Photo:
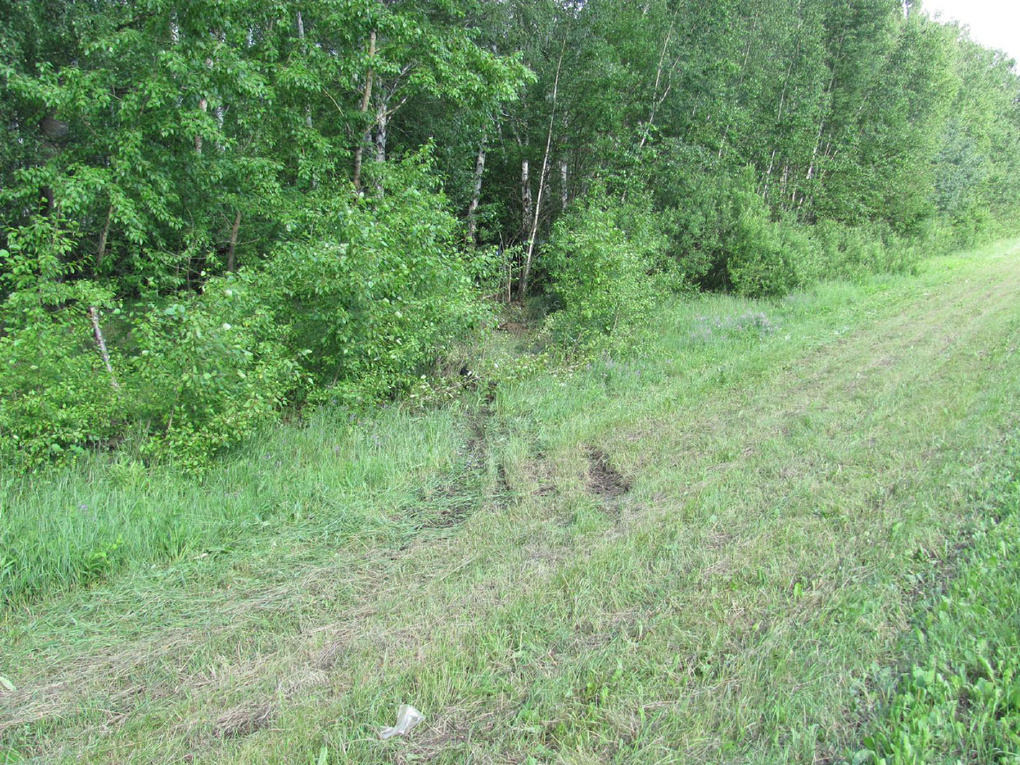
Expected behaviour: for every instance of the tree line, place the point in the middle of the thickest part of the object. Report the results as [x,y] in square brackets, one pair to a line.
[214,210]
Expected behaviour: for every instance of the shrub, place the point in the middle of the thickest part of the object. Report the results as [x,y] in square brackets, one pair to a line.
[56,397]
[600,262]
[375,289]
[211,369]
[703,205]
[363,300]
[768,258]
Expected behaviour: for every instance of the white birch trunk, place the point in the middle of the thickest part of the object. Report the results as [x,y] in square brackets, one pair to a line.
[304,49]
[564,197]
[522,289]
[526,209]
[476,195]
[366,99]
[97,331]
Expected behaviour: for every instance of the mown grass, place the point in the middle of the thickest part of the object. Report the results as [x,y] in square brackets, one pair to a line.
[706,551]
[958,698]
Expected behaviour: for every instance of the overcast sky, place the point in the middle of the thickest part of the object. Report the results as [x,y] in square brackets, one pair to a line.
[993,23]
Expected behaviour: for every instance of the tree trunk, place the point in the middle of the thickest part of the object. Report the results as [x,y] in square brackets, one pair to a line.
[382,117]
[380,135]
[304,49]
[779,115]
[768,176]
[522,289]
[101,251]
[564,198]
[202,105]
[740,82]
[476,194]
[525,196]
[101,343]
[232,249]
[655,91]
[366,98]
[821,123]
[219,111]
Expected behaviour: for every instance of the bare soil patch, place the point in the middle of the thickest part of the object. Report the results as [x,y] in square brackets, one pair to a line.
[604,480]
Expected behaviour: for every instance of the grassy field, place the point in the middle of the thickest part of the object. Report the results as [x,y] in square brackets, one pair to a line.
[734,547]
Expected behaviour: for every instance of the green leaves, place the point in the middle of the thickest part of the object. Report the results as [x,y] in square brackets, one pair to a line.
[599,263]
[961,697]
[376,289]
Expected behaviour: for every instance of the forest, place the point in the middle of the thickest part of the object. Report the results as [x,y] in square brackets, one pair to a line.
[217,213]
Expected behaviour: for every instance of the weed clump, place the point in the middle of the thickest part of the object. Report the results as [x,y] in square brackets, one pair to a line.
[750,323]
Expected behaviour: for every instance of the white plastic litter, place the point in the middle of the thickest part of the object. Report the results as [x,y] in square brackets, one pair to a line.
[407,718]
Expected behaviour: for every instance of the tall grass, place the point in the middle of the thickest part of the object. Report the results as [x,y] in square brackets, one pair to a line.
[72,526]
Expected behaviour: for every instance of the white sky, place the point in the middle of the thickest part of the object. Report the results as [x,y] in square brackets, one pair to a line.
[993,23]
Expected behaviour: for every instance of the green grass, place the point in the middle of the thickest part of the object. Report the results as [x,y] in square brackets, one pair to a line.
[959,698]
[714,550]
[339,474]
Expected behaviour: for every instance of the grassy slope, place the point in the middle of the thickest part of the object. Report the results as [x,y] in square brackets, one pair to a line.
[706,553]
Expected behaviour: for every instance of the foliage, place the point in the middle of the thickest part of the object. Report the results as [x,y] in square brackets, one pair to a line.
[55,396]
[703,209]
[358,307]
[767,257]
[177,158]
[211,369]
[299,150]
[599,262]
[375,289]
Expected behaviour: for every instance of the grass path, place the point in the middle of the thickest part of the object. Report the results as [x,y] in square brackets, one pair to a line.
[706,554]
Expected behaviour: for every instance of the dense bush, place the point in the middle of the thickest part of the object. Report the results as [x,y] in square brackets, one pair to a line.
[56,396]
[702,212]
[853,252]
[768,258]
[375,289]
[210,369]
[773,257]
[600,262]
[192,376]
[361,303]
